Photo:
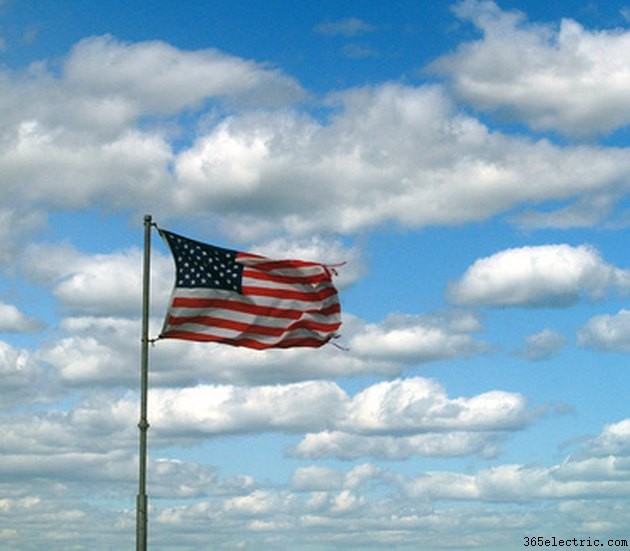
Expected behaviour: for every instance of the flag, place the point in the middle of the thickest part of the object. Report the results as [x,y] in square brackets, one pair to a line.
[242,299]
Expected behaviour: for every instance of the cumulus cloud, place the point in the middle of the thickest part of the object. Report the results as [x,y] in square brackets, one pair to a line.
[214,410]
[419,404]
[599,469]
[404,154]
[58,167]
[542,276]
[105,84]
[96,351]
[343,445]
[365,503]
[161,78]
[525,483]
[392,420]
[607,332]
[410,339]
[94,443]
[82,125]
[177,362]
[95,436]
[76,449]
[402,418]
[564,77]
[614,440]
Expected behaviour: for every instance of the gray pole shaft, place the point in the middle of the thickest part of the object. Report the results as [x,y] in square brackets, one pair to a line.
[143,425]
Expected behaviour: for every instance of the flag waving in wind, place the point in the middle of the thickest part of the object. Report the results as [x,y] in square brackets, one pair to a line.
[243,299]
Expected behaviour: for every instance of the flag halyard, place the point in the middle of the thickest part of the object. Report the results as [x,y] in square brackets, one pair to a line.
[242,299]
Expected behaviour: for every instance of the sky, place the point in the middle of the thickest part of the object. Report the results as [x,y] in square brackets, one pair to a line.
[468,161]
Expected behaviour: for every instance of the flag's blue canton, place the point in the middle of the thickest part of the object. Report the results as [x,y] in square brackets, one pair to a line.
[201,265]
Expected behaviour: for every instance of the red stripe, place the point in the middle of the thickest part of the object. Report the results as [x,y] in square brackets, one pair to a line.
[313,296]
[253,309]
[254,273]
[246,341]
[211,321]
[262,263]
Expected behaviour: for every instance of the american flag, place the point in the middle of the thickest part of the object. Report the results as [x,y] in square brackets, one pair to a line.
[243,299]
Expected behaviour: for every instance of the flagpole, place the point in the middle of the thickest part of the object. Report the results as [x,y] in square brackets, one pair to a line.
[143,425]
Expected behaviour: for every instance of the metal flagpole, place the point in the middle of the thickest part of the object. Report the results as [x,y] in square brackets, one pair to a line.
[143,425]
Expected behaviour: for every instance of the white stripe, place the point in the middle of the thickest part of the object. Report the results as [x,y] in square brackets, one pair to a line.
[243,317]
[302,287]
[304,271]
[256,300]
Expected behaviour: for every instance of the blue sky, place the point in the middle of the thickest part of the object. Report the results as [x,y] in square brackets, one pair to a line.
[468,161]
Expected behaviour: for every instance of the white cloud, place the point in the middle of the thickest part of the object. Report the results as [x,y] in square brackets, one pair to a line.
[585,478]
[614,440]
[60,167]
[564,78]
[177,362]
[69,452]
[14,321]
[419,405]
[547,275]
[403,418]
[214,410]
[403,154]
[161,78]
[21,376]
[91,444]
[103,357]
[393,420]
[73,140]
[343,445]
[598,470]
[542,345]
[316,478]
[411,339]
[368,504]
[607,332]
[259,503]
